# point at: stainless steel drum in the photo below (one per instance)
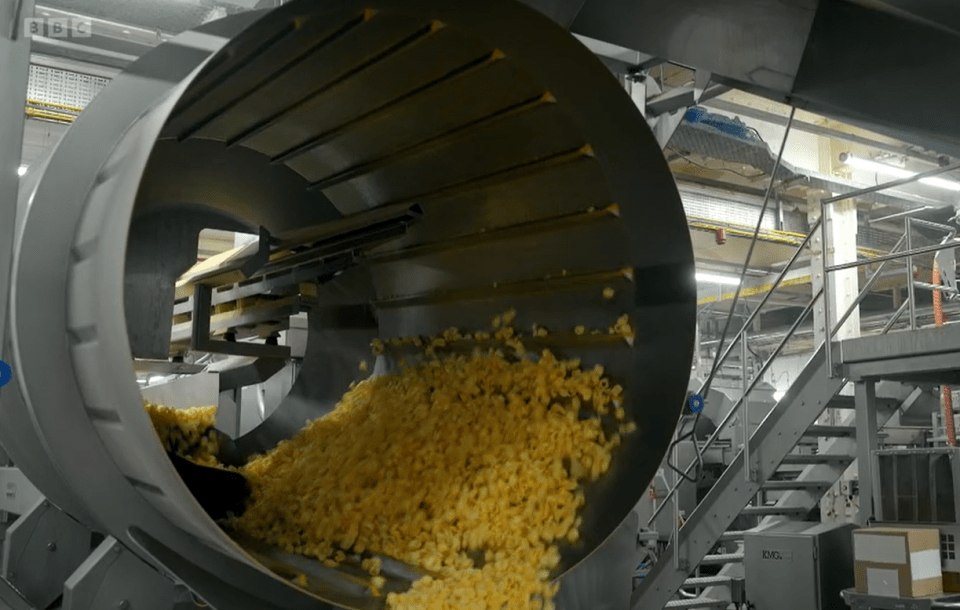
(540, 186)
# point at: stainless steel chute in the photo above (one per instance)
(539, 186)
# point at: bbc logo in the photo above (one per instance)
(58, 27)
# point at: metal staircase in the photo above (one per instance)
(740, 483)
(774, 462)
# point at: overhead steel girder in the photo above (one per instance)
(833, 57)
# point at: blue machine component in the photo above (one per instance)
(732, 127)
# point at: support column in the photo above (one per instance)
(15, 68)
(865, 399)
(841, 228)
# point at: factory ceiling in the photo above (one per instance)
(832, 57)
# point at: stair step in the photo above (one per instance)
(731, 535)
(817, 459)
(831, 431)
(707, 581)
(714, 560)
(787, 511)
(841, 402)
(774, 485)
(696, 602)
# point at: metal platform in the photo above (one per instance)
(927, 355)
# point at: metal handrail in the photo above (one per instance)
(740, 337)
(949, 242)
(766, 297)
(756, 380)
(890, 257)
(863, 293)
(896, 316)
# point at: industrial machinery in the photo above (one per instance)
(408, 167)
(918, 488)
(808, 564)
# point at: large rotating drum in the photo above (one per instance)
(540, 186)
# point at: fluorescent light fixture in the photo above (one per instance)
(896, 172)
(778, 395)
(726, 280)
(21, 170)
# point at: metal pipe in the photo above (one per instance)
(766, 297)
(894, 183)
(746, 408)
(753, 242)
(901, 214)
(934, 225)
(827, 336)
(908, 253)
(935, 287)
(863, 293)
(908, 231)
(896, 316)
(756, 380)
(676, 505)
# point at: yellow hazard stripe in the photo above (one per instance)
(755, 290)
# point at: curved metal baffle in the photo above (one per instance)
(536, 183)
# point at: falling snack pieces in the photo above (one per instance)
(376, 475)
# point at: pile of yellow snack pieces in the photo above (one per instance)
(453, 457)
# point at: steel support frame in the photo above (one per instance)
(829, 474)
(865, 401)
(924, 352)
(40, 551)
(838, 245)
(113, 577)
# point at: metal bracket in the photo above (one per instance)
(19, 494)
(253, 373)
(260, 258)
(113, 577)
(41, 549)
(701, 79)
(664, 125)
(200, 332)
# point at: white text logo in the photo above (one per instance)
(58, 27)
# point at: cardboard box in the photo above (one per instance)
(898, 562)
